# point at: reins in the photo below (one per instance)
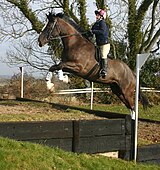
(62, 36)
(52, 28)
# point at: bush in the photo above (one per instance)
(148, 77)
(33, 88)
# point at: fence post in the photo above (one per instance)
(91, 95)
(126, 154)
(22, 75)
(76, 136)
(140, 60)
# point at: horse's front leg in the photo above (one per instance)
(50, 85)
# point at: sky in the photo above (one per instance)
(4, 68)
(8, 70)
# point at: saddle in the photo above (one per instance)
(98, 65)
(98, 55)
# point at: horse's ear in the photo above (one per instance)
(60, 15)
(47, 16)
(50, 16)
(53, 14)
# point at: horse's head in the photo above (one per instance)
(49, 31)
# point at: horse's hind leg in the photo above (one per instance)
(126, 99)
(129, 96)
(118, 92)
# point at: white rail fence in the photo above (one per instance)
(99, 90)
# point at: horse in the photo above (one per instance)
(78, 57)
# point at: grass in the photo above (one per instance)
(11, 110)
(24, 155)
(38, 111)
(41, 111)
(152, 113)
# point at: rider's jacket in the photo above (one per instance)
(100, 29)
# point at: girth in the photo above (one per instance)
(95, 67)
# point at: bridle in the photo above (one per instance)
(55, 25)
(49, 36)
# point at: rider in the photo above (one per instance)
(100, 29)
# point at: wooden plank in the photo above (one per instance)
(65, 143)
(101, 144)
(36, 130)
(90, 136)
(149, 152)
(76, 136)
(126, 153)
(101, 127)
(153, 161)
(128, 124)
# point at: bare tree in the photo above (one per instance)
(22, 20)
(139, 23)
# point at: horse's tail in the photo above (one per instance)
(143, 99)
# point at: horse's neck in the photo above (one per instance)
(70, 36)
(71, 39)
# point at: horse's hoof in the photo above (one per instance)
(52, 89)
(50, 86)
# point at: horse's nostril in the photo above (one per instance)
(40, 44)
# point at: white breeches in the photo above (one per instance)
(104, 50)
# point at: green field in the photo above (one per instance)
(152, 113)
(38, 111)
(24, 155)
(27, 156)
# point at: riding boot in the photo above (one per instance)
(103, 71)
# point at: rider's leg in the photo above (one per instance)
(103, 66)
(104, 50)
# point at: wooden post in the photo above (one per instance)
(22, 76)
(91, 95)
(126, 154)
(76, 136)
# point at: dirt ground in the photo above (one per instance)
(147, 131)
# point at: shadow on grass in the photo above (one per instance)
(109, 115)
(105, 114)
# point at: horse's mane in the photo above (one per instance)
(69, 20)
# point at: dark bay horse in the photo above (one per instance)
(78, 57)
